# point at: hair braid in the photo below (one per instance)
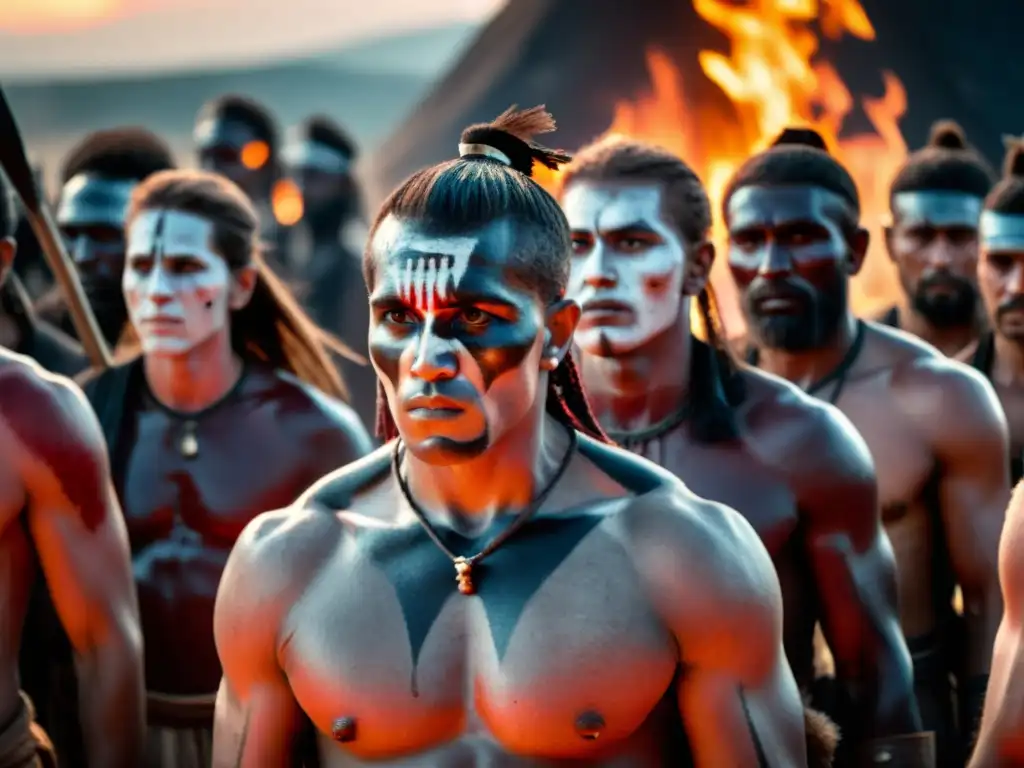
(567, 401)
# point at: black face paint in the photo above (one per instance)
(448, 321)
(91, 216)
(787, 253)
(510, 577)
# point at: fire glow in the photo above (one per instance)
(773, 79)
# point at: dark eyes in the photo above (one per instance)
(470, 317)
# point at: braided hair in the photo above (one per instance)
(492, 179)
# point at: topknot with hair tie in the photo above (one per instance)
(509, 140)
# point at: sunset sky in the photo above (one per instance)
(82, 38)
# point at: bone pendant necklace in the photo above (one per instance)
(464, 575)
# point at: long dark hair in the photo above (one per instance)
(476, 189)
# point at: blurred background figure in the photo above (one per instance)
(20, 329)
(326, 247)
(98, 178)
(237, 137)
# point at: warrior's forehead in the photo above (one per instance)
(398, 240)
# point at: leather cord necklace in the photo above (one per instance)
(464, 565)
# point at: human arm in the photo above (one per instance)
(714, 584)
(257, 721)
(1001, 737)
(971, 444)
(81, 542)
(853, 568)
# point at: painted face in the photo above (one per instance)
(91, 216)
(934, 243)
(788, 256)
(627, 268)
(176, 287)
(232, 149)
(1001, 272)
(455, 340)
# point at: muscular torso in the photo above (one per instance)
(884, 408)
(757, 475)
(257, 450)
(561, 629)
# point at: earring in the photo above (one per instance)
(550, 362)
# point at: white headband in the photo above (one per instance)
(1002, 231)
(466, 150)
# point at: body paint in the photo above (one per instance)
(937, 209)
(92, 200)
(1002, 231)
(437, 348)
(649, 282)
(787, 245)
(174, 311)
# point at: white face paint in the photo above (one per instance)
(175, 286)
(435, 267)
(624, 253)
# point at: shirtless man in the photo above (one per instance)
(59, 520)
(934, 426)
(935, 201)
(1001, 737)
(232, 408)
(999, 353)
(98, 177)
(586, 579)
(640, 219)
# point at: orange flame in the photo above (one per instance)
(772, 81)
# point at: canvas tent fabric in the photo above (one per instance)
(579, 57)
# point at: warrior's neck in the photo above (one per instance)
(948, 340)
(641, 388)
(194, 381)
(808, 366)
(504, 479)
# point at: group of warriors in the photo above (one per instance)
(589, 526)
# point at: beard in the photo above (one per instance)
(1010, 330)
(823, 311)
(946, 310)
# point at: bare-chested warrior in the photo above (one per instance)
(232, 408)
(999, 353)
(59, 521)
(793, 466)
(1001, 736)
(498, 586)
(934, 426)
(98, 177)
(935, 201)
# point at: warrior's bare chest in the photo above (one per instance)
(212, 475)
(559, 633)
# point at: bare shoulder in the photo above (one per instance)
(46, 413)
(710, 578)
(320, 417)
(814, 441)
(691, 547)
